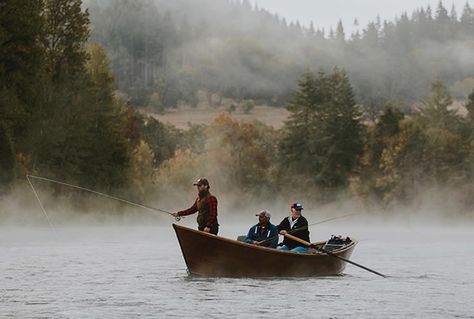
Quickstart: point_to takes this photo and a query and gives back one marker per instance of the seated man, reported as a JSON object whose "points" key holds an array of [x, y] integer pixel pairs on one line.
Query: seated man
{"points": [[290, 224], [263, 231]]}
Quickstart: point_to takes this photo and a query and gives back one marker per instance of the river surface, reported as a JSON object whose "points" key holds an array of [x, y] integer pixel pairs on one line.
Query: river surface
{"points": [[139, 272]]}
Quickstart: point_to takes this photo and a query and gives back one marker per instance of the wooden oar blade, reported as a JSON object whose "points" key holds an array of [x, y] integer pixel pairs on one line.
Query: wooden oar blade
{"points": [[304, 242]]}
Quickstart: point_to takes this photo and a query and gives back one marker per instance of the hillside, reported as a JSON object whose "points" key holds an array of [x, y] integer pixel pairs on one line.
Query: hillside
{"points": [[172, 49]]}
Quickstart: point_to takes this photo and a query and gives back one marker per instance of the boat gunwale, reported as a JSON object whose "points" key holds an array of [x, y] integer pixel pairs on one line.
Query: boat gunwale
{"points": [[273, 250]]}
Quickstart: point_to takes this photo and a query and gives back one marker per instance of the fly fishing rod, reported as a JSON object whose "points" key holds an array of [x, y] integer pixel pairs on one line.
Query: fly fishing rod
{"points": [[149, 208]]}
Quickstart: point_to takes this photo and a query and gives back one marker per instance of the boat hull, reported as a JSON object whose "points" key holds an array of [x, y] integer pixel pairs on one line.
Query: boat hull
{"points": [[213, 256]]}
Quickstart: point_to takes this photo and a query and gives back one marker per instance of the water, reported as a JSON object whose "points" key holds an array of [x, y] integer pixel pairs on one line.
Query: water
{"points": [[138, 272]]}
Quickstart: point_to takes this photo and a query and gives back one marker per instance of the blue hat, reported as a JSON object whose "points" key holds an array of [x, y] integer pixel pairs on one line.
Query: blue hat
{"points": [[297, 206]]}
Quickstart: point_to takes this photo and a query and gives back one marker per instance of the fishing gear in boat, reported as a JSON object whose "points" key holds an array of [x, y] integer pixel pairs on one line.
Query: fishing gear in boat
{"points": [[149, 208]]}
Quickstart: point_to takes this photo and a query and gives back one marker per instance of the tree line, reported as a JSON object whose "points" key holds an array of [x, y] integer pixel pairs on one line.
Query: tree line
{"points": [[163, 52]]}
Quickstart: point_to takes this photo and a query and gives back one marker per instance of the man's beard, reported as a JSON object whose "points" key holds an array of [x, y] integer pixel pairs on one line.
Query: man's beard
{"points": [[203, 193]]}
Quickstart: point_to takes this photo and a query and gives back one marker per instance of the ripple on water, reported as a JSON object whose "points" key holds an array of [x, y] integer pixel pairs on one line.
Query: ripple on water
{"points": [[104, 280]]}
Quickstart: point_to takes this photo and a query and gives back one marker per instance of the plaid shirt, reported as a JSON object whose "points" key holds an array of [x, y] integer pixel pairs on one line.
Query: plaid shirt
{"points": [[212, 217]]}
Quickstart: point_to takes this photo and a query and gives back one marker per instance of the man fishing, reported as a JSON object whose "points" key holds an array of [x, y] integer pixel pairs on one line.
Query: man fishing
{"points": [[206, 206]]}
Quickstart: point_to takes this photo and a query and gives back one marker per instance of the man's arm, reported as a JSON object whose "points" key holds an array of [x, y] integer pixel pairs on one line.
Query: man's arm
{"points": [[189, 211], [274, 235], [283, 225], [249, 239]]}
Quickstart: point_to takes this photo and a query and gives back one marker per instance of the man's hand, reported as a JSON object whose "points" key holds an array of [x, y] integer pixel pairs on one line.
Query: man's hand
{"points": [[283, 232], [206, 229]]}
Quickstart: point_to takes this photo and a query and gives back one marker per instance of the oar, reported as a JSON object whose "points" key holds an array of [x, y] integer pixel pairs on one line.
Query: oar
{"points": [[304, 227], [304, 242]]}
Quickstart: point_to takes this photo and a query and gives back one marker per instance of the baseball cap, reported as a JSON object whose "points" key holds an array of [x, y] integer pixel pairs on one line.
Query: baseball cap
{"points": [[201, 181], [297, 206], [265, 213]]}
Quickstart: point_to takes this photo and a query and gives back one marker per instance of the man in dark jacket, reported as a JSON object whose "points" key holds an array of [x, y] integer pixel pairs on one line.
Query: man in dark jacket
{"points": [[206, 206], [294, 221], [263, 231]]}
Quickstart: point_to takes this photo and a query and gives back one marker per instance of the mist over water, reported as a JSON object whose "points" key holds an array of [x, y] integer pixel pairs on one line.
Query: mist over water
{"points": [[138, 271]]}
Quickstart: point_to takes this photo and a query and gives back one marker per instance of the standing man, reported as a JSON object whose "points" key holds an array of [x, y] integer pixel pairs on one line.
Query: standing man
{"points": [[263, 231], [206, 206], [294, 221]]}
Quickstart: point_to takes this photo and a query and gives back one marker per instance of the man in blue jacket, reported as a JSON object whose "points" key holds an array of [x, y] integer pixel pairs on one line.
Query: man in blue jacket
{"points": [[263, 231]]}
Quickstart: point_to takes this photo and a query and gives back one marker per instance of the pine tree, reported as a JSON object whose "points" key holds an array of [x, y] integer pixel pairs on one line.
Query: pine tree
{"points": [[376, 175], [436, 112], [444, 150], [21, 68], [467, 20], [105, 152], [343, 131], [323, 136], [340, 35], [7, 158], [303, 108], [442, 13], [60, 130], [470, 107], [67, 31]]}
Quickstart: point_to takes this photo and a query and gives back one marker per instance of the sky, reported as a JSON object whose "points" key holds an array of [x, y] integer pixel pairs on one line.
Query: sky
{"points": [[326, 13]]}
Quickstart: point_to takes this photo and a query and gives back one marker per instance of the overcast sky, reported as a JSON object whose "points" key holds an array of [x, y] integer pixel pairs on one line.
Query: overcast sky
{"points": [[326, 13]]}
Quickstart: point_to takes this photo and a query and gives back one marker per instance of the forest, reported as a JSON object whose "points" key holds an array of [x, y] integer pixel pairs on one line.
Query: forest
{"points": [[163, 51], [385, 116]]}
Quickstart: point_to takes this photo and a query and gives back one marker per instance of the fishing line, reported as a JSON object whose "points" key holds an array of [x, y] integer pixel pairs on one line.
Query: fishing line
{"points": [[40, 203], [332, 218], [149, 208]]}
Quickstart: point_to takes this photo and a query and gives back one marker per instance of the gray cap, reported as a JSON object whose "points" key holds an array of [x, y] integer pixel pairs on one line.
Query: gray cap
{"points": [[265, 213]]}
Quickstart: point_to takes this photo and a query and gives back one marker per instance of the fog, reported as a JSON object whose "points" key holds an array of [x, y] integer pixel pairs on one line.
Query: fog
{"points": [[233, 49], [67, 208]]}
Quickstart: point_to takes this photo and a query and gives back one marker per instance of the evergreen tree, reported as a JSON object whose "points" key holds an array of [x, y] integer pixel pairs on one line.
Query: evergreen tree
{"points": [[376, 179], [81, 129], [21, 68], [444, 151], [323, 136], [66, 34], [387, 126], [305, 104], [106, 153], [7, 158], [344, 131], [442, 13], [60, 124], [470, 107], [340, 35], [371, 35], [436, 112], [470, 139]]}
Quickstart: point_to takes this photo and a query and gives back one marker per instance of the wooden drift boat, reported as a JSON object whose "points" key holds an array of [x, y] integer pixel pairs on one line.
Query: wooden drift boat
{"points": [[214, 256]]}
